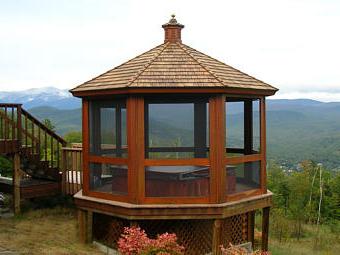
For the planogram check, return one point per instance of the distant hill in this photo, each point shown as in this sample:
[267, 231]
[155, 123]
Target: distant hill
[58, 98]
[64, 120]
[296, 129]
[295, 132]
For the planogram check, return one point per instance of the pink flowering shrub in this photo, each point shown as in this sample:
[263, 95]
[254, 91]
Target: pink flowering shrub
[234, 250]
[134, 241]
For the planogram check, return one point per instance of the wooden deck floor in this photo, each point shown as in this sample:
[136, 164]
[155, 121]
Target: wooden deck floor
[30, 188]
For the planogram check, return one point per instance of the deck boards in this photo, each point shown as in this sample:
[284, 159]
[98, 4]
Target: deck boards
[31, 188]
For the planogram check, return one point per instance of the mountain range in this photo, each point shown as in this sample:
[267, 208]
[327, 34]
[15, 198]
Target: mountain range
[54, 97]
[296, 129]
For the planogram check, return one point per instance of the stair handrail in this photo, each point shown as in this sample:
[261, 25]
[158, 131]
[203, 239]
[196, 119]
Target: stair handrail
[10, 121]
[56, 141]
[18, 125]
[44, 127]
[21, 111]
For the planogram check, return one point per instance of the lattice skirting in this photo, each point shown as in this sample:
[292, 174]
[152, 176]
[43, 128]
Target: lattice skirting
[195, 235]
[234, 230]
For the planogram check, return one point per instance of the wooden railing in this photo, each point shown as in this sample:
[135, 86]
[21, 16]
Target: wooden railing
[10, 134]
[44, 141]
[32, 136]
[72, 174]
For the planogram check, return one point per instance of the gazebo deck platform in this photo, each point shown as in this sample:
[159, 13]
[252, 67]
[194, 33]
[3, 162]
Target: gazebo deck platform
[172, 211]
[31, 188]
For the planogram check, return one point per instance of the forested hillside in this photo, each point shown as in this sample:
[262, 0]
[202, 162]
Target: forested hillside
[296, 129]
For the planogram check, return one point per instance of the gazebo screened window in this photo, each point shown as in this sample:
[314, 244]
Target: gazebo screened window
[108, 146]
[177, 161]
[176, 130]
[243, 142]
[108, 128]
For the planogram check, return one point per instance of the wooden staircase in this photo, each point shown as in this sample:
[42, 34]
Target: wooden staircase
[37, 147]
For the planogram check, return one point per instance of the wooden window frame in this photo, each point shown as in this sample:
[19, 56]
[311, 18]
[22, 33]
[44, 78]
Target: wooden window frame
[137, 162]
[259, 156]
[173, 162]
[95, 107]
[89, 158]
[185, 99]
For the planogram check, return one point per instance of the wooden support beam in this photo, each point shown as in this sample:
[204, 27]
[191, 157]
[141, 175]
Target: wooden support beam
[16, 183]
[89, 222]
[265, 228]
[85, 223]
[86, 143]
[216, 240]
[217, 148]
[136, 148]
[251, 227]
[82, 225]
[263, 144]
[63, 171]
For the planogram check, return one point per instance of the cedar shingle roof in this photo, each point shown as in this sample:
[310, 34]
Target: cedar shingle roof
[173, 65]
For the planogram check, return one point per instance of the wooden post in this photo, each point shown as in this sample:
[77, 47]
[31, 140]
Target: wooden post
[136, 148]
[265, 228]
[263, 145]
[16, 183]
[217, 149]
[19, 127]
[63, 170]
[251, 227]
[89, 221]
[85, 222]
[86, 144]
[216, 242]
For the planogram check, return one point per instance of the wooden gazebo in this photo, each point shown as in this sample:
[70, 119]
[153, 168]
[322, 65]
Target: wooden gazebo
[174, 141]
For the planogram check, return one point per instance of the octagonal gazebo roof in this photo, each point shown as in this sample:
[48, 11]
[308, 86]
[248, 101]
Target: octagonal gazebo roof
[173, 65]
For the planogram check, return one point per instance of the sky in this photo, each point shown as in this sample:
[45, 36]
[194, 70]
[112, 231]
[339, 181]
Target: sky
[290, 44]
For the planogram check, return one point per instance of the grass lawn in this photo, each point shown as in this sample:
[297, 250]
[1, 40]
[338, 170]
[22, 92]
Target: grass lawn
[327, 244]
[54, 231]
[43, 231]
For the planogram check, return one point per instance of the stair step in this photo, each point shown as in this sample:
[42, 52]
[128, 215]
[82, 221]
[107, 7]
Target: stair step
[24, 146]
[32, 157]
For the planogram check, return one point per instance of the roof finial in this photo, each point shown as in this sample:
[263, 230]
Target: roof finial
[173, 20]
[173, 30]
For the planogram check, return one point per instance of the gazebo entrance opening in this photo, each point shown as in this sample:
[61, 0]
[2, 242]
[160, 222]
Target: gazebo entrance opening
[107, 146]
[243, 140]
[177, 129]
